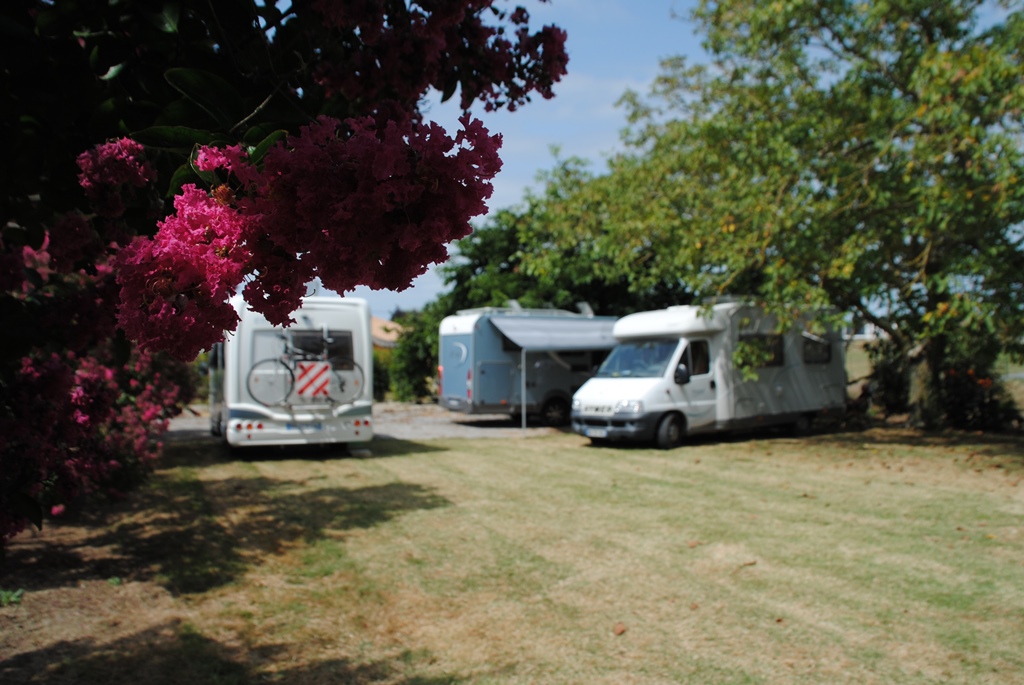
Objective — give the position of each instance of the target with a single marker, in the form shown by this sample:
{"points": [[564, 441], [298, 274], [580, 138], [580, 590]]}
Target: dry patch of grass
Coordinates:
{"points": [[878, 557]]}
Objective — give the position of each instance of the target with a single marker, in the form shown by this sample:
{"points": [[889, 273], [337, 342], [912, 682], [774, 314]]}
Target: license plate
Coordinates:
{"points": [[304, 427], [597, 433]]}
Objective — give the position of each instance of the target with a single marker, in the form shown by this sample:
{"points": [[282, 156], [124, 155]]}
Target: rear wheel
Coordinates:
{"points": [[555, 412], [802, 426], [670, 432]]}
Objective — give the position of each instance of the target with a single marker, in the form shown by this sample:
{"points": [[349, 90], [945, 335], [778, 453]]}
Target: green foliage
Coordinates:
{"points": [[975, 400], [890, 376], [414, 360], [861, 156], [200, 372], [11, 597], [381, 374], [513, 257]]}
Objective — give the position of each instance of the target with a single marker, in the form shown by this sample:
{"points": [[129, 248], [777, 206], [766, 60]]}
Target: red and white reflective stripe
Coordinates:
{"points": [[314, 378]]}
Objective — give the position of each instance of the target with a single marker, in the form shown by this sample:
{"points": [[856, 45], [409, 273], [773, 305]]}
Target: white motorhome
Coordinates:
{"points": [[483, 353], [672, 374], [305, 384]]}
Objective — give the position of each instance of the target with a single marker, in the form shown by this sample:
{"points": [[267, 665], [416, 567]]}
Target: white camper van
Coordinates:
{"points": [[305, 384], [483, 353], [672, 374]]}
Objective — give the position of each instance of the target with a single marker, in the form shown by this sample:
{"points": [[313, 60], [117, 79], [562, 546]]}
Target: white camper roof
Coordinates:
{"points": [[675, 321]]}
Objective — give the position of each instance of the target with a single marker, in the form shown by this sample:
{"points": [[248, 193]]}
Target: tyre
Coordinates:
{"points": [[670, 432], [802, 426], [555, 412], [217, 425]]}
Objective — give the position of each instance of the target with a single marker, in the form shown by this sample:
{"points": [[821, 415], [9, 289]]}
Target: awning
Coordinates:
{"points": [[539, 333]]}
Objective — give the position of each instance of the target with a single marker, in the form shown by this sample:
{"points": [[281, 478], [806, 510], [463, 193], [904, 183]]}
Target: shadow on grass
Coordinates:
{"points": [[991, 445], [1004, 447], [176, 654], [380, 447], [192, 536]]}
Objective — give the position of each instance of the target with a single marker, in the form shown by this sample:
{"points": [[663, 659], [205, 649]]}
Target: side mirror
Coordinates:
{"points": [[682, 375]]}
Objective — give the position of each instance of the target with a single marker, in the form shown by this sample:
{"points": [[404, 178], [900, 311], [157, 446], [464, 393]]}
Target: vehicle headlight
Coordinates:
{"points": [[576, 404], [629, 407]]}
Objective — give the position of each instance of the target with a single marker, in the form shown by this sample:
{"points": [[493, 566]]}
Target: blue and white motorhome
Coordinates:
{"points": [[309, 383], [672, 374], [517, 361]]}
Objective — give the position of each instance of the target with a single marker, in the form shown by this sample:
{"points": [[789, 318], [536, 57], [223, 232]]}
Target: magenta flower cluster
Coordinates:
{"points": [[353, 203], [75, 421], [397, 56], [80, 426], [112, 174], [372, 199]]}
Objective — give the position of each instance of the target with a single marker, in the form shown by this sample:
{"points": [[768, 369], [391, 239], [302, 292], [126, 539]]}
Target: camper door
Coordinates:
{"points": [[697, 395]]}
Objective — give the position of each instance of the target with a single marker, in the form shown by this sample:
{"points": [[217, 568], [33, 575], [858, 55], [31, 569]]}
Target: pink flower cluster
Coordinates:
{"points": [[112, 173], [389, 55], [352, 203], [174, 288], [78, 426]]}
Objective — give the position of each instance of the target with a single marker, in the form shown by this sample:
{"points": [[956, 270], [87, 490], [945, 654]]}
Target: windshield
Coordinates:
{"points": [[639, 359]]}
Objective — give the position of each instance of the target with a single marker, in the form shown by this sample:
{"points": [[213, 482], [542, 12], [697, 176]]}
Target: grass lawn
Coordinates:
{"points": [[883, 556]]}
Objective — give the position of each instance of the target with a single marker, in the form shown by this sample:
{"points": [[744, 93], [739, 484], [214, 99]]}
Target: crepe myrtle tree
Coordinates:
{"points": [[162, 153]]}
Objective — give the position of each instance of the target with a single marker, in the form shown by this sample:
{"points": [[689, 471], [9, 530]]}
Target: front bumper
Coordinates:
{"points": [[638, 427]]}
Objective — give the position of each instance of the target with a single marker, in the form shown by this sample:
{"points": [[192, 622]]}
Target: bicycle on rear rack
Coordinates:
{"points": [[303, 376]]}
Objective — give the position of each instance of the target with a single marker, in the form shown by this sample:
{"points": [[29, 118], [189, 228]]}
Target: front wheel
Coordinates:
{"points": [[670, 432]]}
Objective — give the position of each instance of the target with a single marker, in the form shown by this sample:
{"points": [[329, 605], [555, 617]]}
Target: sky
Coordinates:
{"points": [[613, 45]]}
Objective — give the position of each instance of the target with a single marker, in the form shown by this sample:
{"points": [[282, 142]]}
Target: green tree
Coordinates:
{"points": [[493, 266], [862, 156], [414, 360]]}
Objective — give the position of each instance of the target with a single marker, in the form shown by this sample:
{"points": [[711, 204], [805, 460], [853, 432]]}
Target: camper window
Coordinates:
{"points": [[700, 358], [817, 350], [269, 344], [314, 344]]}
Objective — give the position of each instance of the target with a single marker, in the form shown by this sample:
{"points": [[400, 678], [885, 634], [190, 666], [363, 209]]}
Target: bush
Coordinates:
{"points": [[976, 400], [890, 376], [381, 374]]}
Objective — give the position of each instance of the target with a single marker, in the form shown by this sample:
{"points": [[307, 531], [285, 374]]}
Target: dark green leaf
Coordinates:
{"points": [[214, 95], [113, 72], [167, 19], [449, 87], [34, 277], [36, 235], [173, 137], [260, 151], [121, 348], [182, 175]]}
